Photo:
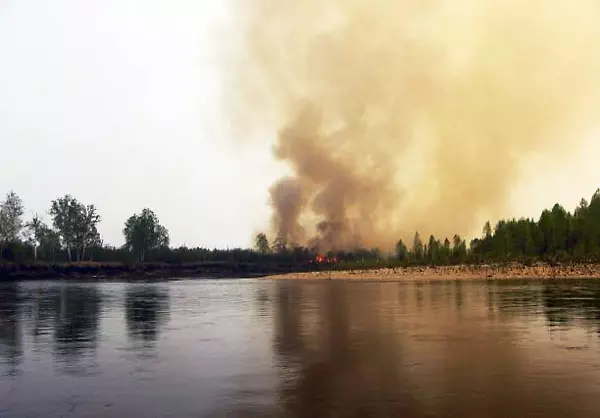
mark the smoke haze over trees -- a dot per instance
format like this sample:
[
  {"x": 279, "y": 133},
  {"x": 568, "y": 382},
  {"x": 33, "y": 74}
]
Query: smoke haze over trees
[{"x": 403, "y": 115}]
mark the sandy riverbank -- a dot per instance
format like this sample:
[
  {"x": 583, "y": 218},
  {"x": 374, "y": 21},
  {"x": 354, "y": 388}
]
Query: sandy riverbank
[{"x": 489, "y": 271}]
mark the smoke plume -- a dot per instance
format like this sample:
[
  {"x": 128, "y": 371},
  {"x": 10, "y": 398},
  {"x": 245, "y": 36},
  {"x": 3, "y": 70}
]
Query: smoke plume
[{"x": 403, "y": 115}]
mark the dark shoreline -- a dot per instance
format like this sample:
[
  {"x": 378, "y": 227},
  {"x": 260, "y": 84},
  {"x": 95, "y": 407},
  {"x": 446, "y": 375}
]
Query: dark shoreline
[
  {"x": 279, "y": 270},
  {"x": 143, "y": 271}
]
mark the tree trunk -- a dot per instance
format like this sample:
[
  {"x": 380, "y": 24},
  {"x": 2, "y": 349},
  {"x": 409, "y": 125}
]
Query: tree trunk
[
  {"x": 35, "y": 252},
  {"x": 83, "y": 241}
]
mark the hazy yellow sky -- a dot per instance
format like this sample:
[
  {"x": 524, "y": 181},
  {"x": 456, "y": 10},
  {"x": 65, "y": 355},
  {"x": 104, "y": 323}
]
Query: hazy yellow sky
[
  {"x": 399, "y": 116},
  {"x": 119, "y": 102}
]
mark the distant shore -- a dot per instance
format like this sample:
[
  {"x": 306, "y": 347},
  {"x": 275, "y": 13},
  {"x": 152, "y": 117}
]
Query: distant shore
[
  {"x": 479, "y": 271},
  {"x": 149, "y": 271},
  {"x": 291, "y": 271}
]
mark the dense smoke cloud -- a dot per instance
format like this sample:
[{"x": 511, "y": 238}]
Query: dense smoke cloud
[{"x": 403, "y": 115}]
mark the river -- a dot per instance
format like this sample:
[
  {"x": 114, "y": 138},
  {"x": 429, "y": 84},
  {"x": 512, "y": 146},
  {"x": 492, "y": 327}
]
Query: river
[{"x": 258, "y": 348}]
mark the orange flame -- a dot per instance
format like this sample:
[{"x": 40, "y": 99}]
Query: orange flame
[{"x": 321, "y": 259}]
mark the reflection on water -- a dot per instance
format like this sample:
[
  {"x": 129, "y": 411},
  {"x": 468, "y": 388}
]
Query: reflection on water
[
  {"x": 76, "y": 327},
  {"x": 10, "y": 341},
  {"x": 300, "y": 349},
  {"x": 344, "y": 352},
  {"x": 146, "y": 311}
]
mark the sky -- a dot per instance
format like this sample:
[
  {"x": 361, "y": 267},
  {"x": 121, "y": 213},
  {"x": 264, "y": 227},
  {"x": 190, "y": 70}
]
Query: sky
[{"x": 118, "y": 103}]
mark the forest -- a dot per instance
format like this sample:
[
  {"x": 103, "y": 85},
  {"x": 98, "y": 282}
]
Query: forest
[
  {"x": 72, "y": 238},
  {"x": 556, "y": 236}
]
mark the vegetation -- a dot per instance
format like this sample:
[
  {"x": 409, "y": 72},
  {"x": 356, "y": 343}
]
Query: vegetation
[
  {"x": 144, "y": 233},
  {"x": 557, "y": 235},
  {"x": 72, "y": 246},
  {"x": 262, "y": 243},
  {"x": 75, "y": 224},
  {"x": 11, "y": 213}
]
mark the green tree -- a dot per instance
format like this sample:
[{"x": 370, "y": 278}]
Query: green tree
[
  {"x": 262, "y": 243},
  {"x": 86, "y": 232},
  {"x": 64, "y": 213},
  {"x": 11, "y": 223},
  {"x": 592, "y": 224},
  {"x": 579, "y": 232},
  {"x": 501, "y": 240},
  {"x": 36, "y": 229},
  {"x": 144, "y": 233},
  {"x": 433, "y": 250},
  {"x": 417, "y": 249},
  {"x": 487, "y": 230},
  {"x": 525, "y": 237},
  {"x": 560, "y": 229},
  {"x": 76, "y": 224},
  {"x": 486, "y": 244},
  {"x": 446, "y": 251},
  {"x": 459, "y": 249},
  {"x": 401, "y": 251},
  {"x": 545, "y": 236},
  {"x": 49, "y": 243}
]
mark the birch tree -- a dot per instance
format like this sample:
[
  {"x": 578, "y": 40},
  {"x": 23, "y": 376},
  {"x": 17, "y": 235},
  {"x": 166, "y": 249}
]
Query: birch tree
[
  {"x": 11, "y": 223},
  {"x": 76, "y": 224},
  {"x": 36, "y": 229},
  {"x": 144, "y": 233}
]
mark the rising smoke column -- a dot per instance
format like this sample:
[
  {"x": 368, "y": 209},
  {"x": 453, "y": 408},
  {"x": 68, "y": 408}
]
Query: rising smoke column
[{"x": 403, "y": 115}]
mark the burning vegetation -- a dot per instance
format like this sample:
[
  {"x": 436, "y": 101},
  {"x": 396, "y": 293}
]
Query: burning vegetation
[{"x": 322, "y": 259}]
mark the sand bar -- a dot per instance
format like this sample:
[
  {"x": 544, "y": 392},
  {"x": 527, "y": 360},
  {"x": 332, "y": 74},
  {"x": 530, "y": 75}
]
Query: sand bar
[{"x": 487, "y": 271}]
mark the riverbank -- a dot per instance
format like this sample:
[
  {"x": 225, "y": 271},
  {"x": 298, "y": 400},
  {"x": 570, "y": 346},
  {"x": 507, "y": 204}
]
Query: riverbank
[
  {"x": 479, "y": 271},
  {"x": 291, "y": 271},
  {"x": 118, "y": 271}
]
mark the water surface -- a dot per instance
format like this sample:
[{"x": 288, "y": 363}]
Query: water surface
[{"x": 238, "y": 348}]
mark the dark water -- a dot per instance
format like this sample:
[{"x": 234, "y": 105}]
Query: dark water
[{"x": 300, "y": 349}]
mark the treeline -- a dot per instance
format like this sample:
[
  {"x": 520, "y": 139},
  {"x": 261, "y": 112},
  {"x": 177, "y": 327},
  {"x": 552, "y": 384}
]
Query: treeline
[
  {"x": 72, "y": 236},
  {"x": 558, "y": 235}
]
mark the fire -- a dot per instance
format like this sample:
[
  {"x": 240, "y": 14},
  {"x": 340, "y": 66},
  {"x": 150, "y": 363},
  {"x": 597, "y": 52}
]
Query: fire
[{"x": 321, "y": 259}]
